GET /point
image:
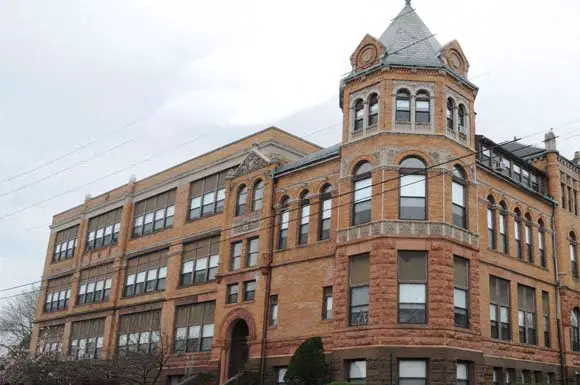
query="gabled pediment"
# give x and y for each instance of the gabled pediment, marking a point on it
(453, 57)
(255, 160)
(369, 52)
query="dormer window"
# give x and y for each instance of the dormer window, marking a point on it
(449, 114)
(373, 110)
(403, 113)
(422, 107)
(359, 115)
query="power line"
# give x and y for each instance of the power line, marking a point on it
(350, 192)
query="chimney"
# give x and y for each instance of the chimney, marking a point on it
(577, 158)
(550, 141)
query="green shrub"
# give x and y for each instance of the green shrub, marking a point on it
(308, 364)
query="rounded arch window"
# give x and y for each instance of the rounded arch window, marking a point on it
(491, 238)
(574, 330)
(503, 226)
(461, 115)
(373, 109)
(241, 200)
(403, 106)
(362, 194)
(450, 114)
(574, 254)
(325, 212)
(422, 107)
(359, 115)
(459, 197)
(529, 236)
(413, 189)
(542, 242)
(304, 223)
(258, 195)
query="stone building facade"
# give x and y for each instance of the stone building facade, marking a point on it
(420, 251)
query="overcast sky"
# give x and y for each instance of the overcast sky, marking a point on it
(78, 73)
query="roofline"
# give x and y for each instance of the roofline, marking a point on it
(272, 128)
(327, 158)
(511, 154)
(571, 163)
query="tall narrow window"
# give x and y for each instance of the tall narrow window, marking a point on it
(573, 255)
(491, 223)
(236, 261)
(249, 290)
(575, 330)
(362, 193)
(252, 252)
(403, 107)
(503, 240)
(325, 212)
(327, 303)
(422, 107)
(570, 199)
(232, 293)
(357, 372)
(359, 289)
(546, 318)
(258, 196)
(525, 177)
(541, 243)
(458, 198)
(518, 233)
(273, 319)
(461, 292)
(449, 113)
(413, 189)
(527, 314)
(373, 110)
(461, 118)
(304, 219)
(462, 373)
(517, 172)
(241, 201)
(412, 372)
(284, 220)
(412, 287)
(499, 308)
(359, 115)
(496, 376)
(529, 234)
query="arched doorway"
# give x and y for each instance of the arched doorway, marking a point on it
(239, 350)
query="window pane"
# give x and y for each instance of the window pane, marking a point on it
(412, 293)
(359, 270)
(357, 369)
(362, 189)
(413, 368)
(412, 266)
(458, 194)
(413, 185)
(460, 298)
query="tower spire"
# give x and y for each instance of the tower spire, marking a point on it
(408, 2)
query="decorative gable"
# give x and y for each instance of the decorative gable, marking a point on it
(454, 58)
(369, 52)
(254, 161)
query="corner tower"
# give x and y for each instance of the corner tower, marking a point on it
(405, 82)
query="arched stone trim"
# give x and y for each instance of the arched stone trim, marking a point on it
(414, 88)
(413, 153)
(227, 324)
(458, 99)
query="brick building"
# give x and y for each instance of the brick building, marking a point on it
(421, 252)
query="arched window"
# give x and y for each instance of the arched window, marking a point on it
(461, 118)
(422, 107)
(518, 233)
(573, 255)
(541, 243)
(284, 220)
(325, 212)
(373, 109)
(359, 115)
(362, 191)
(258, 195)
(459, 197)
(304, 219)
(241, 200)
(491, 223)
(413, 189)
(574, 330)
(403, 112)
(503, 226)
(529, 236)
(450, 114)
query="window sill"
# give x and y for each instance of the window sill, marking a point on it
(329, 320)
(193, 284)
(413, 326)
(92, 303)
(202, 217)
(53, 262)
(109, 246)
(232, 304)
(249, 302)
(133, 237)
(273, 326)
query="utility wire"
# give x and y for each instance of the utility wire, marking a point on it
(350, 192)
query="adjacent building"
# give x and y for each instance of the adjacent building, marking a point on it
(421, 251)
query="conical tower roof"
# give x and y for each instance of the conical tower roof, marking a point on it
(408, 42)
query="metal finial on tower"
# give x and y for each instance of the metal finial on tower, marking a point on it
(408, 2)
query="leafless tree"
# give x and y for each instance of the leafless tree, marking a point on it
(144, 367)
(16, 320)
